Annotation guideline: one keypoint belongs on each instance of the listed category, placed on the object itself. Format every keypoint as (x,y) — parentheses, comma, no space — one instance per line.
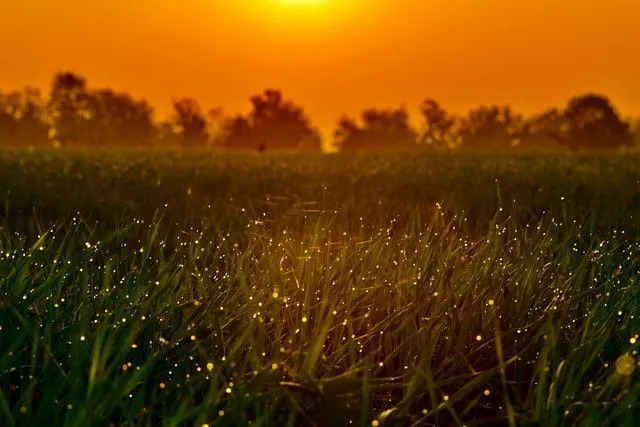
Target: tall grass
(269,309)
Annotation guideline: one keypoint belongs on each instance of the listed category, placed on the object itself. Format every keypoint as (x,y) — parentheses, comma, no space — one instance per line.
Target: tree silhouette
(590,121)
(273,123)
(380,129)
(22,119)
(74,115)
(119,119)
(188,123)
(544,129)
(491,127)
(441,128)
(79,116)
(70,110)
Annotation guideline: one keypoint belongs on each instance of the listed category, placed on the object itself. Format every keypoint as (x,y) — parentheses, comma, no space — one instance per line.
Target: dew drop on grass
(625,364)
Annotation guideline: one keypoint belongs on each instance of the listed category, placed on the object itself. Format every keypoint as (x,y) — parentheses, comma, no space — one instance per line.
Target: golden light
(302,2)
(311,18)
(306,6)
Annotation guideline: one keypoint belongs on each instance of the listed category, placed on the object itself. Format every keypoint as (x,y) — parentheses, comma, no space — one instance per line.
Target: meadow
(201,288)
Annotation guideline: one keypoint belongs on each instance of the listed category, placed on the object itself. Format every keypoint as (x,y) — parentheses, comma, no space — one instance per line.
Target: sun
(302,2)
(307,16)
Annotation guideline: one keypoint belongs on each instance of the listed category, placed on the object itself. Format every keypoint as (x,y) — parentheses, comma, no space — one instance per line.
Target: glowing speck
(625,364)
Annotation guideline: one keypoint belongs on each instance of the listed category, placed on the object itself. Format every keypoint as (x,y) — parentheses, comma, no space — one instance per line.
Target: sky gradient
(332,56)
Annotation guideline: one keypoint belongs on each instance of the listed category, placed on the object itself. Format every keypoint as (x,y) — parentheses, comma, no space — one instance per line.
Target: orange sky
(331,56)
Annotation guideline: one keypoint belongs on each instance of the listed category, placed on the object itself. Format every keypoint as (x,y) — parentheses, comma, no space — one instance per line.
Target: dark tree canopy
(70,110)
(543,130)
(380,129)
(188,123)
(590,121)
(103,117)
(440,128)
(273,123)
(122,120)
(491,127)
(22,119)
(74,115)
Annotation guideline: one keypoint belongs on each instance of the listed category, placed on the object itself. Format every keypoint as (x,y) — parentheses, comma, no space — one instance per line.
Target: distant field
(191,288)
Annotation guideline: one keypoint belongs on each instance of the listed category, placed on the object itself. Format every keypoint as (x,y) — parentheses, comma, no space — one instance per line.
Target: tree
(102,117)
(380,129)
(491,127)
(544,129)
(22,119)
(119,119)
(70,110)
(441,128)
(188,123)
(590,121)
(273,123)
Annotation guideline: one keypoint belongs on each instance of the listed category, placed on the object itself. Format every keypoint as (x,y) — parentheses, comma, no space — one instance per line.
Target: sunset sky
(331,56)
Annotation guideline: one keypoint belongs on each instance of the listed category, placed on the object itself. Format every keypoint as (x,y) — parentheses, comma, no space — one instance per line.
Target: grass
(176,288)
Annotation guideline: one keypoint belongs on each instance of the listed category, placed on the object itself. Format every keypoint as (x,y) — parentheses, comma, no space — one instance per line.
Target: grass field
(192,288)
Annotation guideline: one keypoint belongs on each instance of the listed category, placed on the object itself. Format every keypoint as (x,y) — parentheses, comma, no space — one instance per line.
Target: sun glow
(302,2)
(304,5)
(307,15)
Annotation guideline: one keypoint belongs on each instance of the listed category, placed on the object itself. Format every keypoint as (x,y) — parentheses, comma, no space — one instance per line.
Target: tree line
(74,115)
